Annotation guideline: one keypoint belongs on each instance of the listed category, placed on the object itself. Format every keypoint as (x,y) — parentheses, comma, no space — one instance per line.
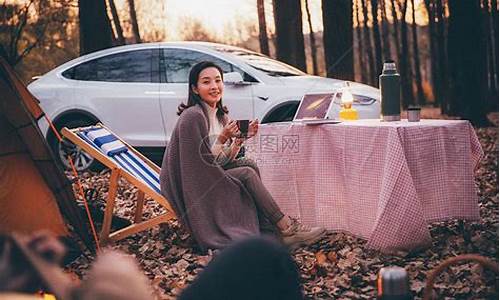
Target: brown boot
(297,234)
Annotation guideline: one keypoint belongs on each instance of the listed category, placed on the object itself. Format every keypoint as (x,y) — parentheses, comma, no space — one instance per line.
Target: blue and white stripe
(107,142)
(111,146)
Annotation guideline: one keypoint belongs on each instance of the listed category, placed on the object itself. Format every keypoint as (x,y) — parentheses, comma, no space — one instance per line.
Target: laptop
(314,108)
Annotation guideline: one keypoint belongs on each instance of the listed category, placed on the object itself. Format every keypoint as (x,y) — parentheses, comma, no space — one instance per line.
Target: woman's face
(209,86)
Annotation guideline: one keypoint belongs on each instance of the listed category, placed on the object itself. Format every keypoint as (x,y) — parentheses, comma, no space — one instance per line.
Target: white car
(135,91)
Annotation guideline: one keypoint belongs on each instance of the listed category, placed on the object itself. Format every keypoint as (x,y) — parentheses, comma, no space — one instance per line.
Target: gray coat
(215,207)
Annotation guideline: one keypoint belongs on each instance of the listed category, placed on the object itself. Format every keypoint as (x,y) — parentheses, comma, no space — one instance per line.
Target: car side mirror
(234,78)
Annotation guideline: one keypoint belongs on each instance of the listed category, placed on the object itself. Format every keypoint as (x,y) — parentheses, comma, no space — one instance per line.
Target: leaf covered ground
(338,266)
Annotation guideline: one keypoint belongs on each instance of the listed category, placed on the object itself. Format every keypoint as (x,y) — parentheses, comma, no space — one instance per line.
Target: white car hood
(316,84)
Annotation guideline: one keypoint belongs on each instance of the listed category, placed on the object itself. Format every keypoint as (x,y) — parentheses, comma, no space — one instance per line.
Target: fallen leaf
(332,257)
(320,258)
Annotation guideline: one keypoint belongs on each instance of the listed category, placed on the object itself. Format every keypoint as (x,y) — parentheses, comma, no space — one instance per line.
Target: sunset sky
(218,16)
(222,18)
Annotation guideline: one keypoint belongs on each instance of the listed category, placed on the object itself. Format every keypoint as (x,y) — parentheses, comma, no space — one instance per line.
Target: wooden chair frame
(116,172)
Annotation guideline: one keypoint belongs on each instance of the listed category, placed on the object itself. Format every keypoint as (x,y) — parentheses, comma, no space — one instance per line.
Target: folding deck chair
(124,161)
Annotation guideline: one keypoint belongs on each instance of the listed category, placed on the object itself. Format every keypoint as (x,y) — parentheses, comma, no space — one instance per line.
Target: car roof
(220,49)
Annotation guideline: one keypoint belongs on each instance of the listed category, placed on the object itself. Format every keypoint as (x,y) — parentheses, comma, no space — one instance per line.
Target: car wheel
(81,160)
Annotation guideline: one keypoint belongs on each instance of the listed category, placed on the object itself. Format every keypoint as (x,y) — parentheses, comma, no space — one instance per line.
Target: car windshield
(261,62)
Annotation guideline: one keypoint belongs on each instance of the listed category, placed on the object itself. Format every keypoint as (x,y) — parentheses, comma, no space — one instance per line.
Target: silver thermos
(390,90)
(393,284)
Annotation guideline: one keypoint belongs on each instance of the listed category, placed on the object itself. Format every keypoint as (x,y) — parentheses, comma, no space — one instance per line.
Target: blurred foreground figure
(25,261)
(114,276)
(250,269)
(32,264)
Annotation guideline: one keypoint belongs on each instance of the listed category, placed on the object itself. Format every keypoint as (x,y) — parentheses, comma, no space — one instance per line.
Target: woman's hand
(229,131)
(238,141)
(253,128)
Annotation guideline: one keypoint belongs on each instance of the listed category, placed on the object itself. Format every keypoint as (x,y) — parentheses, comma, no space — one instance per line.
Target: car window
(176,64)
(131,66)
(261,62)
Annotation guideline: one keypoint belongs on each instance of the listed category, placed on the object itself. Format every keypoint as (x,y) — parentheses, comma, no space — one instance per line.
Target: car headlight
(357,99)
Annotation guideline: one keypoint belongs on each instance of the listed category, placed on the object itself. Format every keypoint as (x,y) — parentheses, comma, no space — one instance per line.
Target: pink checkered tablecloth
(383,181)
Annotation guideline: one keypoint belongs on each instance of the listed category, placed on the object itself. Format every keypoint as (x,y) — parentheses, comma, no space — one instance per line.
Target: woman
(220,199)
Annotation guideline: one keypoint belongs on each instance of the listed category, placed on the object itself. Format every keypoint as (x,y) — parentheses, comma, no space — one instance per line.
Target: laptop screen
(314,106)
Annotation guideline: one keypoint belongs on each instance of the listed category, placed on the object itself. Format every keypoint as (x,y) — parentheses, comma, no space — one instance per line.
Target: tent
(35,193)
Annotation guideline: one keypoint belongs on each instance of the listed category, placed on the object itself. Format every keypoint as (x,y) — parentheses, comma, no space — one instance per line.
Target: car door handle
(159,93)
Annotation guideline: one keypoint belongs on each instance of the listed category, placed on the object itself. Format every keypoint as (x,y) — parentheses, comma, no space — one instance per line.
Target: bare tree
(385,32)
(431,13)
(95,28)
(18,37)
(263,40)
(133,20)
(194,30)
(494,36)
(47,39)
(116,22)
(337,38)
(312,40)
(359,39)
(376,39)
(368,44)
(488,11)
(416,58)
(394,10)
(442,59)
(289,36)
(406,86)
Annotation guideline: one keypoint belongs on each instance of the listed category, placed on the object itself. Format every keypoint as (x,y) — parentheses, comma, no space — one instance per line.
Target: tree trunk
(442,60)
(116,22)
(416,58)
(376,39)
(337,38)
(289,36)
(436,90)
(359,39)
(368,43)
(385,33)
(312,40)
(494,16)
(396,29)
(488,12)
(467,61)
(263,40)
(95,28)
(406,88)
(133,19)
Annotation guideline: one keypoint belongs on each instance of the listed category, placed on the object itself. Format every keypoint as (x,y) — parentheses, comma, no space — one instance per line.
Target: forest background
(446,50)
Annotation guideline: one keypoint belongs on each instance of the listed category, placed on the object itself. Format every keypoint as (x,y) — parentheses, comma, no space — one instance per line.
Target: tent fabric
(21,211)
(34,191)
